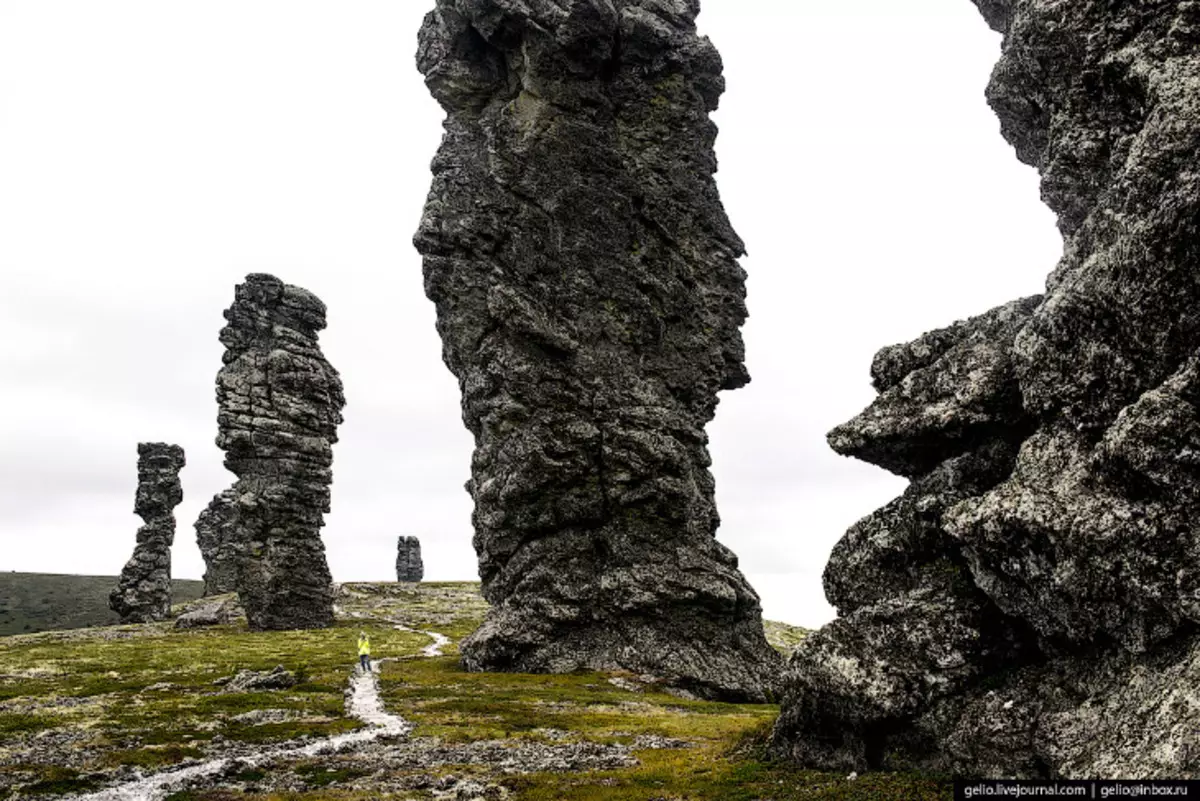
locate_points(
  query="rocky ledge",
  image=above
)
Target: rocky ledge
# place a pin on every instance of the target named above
(1030, 606)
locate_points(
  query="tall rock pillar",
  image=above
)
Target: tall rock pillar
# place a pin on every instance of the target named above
(589, 302)
(280, 406)
(143, 593)
(409, 565)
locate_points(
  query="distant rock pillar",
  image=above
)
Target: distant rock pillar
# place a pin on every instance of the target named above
(216, 534)
(280, 405)
(143, 592)
(409, 566)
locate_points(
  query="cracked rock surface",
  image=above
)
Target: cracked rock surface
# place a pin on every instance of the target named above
(216, 535)
(1029, 607)
(143, 592)
(589, 302)
(409, 566)
(280, 405)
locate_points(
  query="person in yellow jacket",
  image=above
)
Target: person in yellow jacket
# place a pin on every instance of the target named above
(364, 652)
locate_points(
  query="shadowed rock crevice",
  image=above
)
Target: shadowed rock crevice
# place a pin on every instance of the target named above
(1053, 449)
(589, 301)
(143, 592)
(280, 406)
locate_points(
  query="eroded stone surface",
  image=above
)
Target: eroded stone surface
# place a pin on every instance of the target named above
(143, 592)
(589, 301)
(280, 406)
(409, 566)
(216, 534)
(1054, 447)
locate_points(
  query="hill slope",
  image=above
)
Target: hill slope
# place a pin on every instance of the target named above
(32, 602)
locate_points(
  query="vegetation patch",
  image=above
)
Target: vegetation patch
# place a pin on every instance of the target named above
(33, 602)
(60, 781)
(324, 775)
(150, 697)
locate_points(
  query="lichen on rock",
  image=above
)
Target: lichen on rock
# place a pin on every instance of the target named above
(1054, 451)
(589, 302)
(280, 405)
(143, 592)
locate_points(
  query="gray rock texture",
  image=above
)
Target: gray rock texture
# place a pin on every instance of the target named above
(1029, 606)
(216, 535)
(143, 592)
(590, 301)
(409, 566)
(280, 405)
(211, 611)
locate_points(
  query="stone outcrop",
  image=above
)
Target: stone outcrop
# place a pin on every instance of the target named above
(1030, 606)
(217, 537)
(409, 566)
(280, 405)
(143, 592)
(212, 610)
(589, 302)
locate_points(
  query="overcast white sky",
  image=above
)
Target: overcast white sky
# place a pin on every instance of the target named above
(152, 153)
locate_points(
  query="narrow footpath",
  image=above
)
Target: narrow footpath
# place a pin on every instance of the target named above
(364, 704)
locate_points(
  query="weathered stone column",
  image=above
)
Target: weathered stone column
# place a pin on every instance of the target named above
(280, 406)
(589, 301)
(216, 534)
(143, 593)
(1030, 606)
(409, 566)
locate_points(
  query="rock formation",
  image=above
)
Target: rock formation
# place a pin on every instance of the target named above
(143, 592)
(1029, 606)
(217, 537)
(409, 566)
(589, 301)
(280, 405)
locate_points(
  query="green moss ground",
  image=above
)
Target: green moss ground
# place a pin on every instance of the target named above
(144, 696)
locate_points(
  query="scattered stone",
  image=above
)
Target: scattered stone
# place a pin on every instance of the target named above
(280, 405)
(589, 301)
(658, 742)
(1028, 607)
(409, 566)
(278, 678)
(217, 537)
(216, 612)
(159, 687)
(553, 734)
(260, 717)
(143, 592)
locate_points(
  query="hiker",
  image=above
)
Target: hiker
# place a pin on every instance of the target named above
(364, 652)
